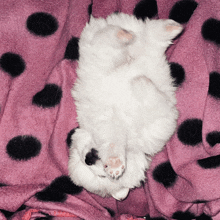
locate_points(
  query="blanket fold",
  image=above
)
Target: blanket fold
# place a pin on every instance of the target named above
(38, 61)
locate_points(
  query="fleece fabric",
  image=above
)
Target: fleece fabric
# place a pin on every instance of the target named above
(38, 61)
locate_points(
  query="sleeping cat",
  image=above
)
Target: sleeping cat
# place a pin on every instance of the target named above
(125, 101)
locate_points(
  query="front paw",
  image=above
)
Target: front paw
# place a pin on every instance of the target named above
(114, 167)
(91, 157)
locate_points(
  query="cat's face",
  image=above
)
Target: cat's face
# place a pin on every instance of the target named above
(122, 35)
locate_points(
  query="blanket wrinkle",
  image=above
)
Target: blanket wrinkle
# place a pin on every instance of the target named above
(38, 61)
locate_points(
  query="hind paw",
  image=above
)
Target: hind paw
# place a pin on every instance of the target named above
(114, 167)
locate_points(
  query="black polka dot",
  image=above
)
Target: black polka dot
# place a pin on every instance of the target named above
(213, 138)
(72, 49)
(158, 218)
(91, 157)
(145, 8)
(50, 96)
(23, 147)
(190, 132)
(57, 191)
(44, 218)
(90, 9)
(199, 201)
(210, 162)
(42, 24)
(12, 63)
(183, 215)
(6, 213)
(69, 135)
(51, 195)
(110, 211)
(9, 214)
(65, 185)
(154, 218)
(165, 174)
(211, 30)
(23, 207)
(203, 217)
(183, 10)
(142, 183)
(214, 85)
(178, 73)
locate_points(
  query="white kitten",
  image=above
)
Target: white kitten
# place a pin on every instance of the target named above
(125, 100)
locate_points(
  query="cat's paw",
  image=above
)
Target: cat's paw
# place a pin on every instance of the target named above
(144, 90)
(121, 194)
(114, 167)
(91, 157)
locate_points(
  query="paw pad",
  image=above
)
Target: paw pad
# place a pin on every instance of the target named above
(114, 167)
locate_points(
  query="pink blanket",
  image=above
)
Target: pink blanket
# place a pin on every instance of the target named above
(38, 59)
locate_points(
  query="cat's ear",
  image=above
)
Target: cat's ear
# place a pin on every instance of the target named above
(172, 28)
(163, 31)
(124, 36)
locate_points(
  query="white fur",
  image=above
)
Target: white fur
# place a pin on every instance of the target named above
(124, 96)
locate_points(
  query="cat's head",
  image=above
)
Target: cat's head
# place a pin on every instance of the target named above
(105, 44)
(121, 34)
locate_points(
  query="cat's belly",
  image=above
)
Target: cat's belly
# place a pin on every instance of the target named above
(113, 95)
(117, 91)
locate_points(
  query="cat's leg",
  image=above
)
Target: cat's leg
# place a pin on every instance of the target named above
(159, 116)
(103, 148)
(83, 142)
(114, 160)
(134, 175)
(146, 92)
(110, 136)
(82, 175)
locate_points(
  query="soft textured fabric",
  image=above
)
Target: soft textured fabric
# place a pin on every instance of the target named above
(38, 59)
